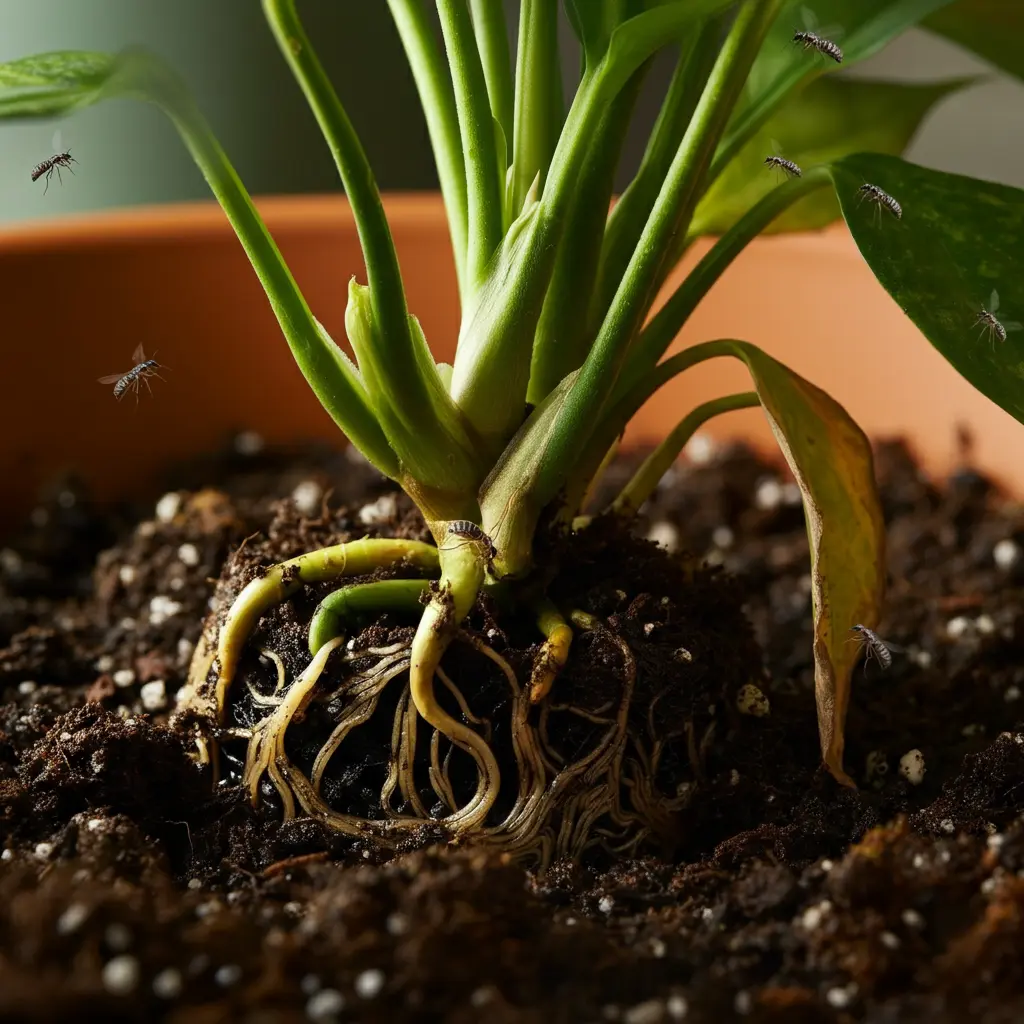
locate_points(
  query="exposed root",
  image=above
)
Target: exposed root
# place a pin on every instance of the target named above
(563, 803)
(553, 653)
(281, 581)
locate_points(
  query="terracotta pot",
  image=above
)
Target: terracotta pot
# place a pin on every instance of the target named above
(78, 295)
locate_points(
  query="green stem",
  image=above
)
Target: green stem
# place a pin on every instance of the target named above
(484, 182)
(492, 42)
(437, 97)
(623, 409)
(396, 365)
(328, 372)
(627, 219)
(654, 467)
(670, 215)
(667, 323)
(336, 610)
(538, 101)
(563, 335)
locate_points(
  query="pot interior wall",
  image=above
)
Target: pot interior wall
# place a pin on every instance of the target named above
(78, 296)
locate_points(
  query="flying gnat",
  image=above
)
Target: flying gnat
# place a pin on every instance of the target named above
(62, 158)
(991, 325)
(874, 646)
(51, 164)
(780, 163)
(879, 199)
(812, 41)
(813, 37)
(139, 374)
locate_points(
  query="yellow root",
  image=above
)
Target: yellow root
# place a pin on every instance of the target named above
(281, 581)
(432, 637)
(266, 747)
(553, 654)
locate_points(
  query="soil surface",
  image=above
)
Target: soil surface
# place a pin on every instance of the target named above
(129, 890)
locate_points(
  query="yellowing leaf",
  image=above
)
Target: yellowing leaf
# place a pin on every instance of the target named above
(831, 460)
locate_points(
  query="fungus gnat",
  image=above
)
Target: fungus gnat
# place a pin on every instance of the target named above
(874, 195)
(811, 37)
(139, 374)
(471, 533)
(780, 163)
(874, 646)
(61, 158)
(992, 326)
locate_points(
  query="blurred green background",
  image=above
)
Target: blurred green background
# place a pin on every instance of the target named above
(128, 154)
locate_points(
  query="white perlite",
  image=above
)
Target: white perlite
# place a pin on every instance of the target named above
(126, 574)
(161, 608)
(751, 701)
(188, 554)
(379, 511)
(912, 767)
(956, 627)
(649, 1012)
(665, 535)
(168, 506)
(124, 677)
(368, 984)
(325, 1005)
(121, 975)
(1006, 554)
(606, 904)
(307, 496)
(840, 998)
(700, 449)
(154, 695)
(167, 984)
(813, 916)
(768, 494)
(228, 975)
(72, 919)
(677, 1007)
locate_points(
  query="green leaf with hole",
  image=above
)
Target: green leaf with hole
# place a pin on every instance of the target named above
(957, 250)
(831, 460)
(823, 122)
(860, 28)
(993, 29)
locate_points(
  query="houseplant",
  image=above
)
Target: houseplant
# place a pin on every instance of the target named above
(500, 450)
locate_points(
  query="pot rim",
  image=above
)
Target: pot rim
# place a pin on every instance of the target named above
(196, 219)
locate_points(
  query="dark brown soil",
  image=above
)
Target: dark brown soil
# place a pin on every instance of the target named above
(131, 891)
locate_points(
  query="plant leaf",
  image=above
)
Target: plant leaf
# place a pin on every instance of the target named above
(993, 29)
(825, 121)
(53, 84)
(862, 28)
(508, 506)
(957, 241)
(831, 460)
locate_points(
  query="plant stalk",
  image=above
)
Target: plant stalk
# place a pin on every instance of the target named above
(484, 181)
(670, 215)
(644, 481)
(656, 337)
(437, 98)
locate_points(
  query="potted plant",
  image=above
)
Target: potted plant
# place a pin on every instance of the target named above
(558, 348)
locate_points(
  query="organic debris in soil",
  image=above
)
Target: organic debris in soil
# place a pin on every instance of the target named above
(128, 890)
